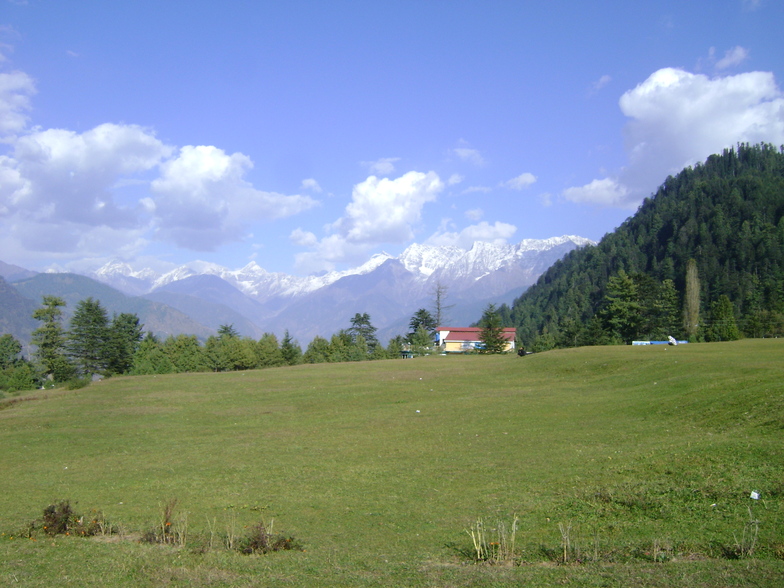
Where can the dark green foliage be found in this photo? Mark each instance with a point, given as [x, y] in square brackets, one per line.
[268, 351]
[228, 352]
[290, 350]
[361, 326]
[10, 349]
[150, 358]
[19, 375]
[621, 311]
[185, 353]
[492, 335]
[88, 337]
[727, 214]
[50, 340]
[421, 341]
[722, 325]
[395, 346]
[317, 351]
[227, 331]
[125, 334]
[422, 318]
[60, 519]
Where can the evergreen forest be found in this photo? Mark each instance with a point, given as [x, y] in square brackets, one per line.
[702, 259]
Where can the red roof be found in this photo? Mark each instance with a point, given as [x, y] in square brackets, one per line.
[472, 333]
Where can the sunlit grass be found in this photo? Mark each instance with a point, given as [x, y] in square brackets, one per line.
[379, 468]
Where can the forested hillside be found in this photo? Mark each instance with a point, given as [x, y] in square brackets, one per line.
[725, 214]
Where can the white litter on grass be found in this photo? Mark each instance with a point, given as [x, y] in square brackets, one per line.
[417, 411]
[754, 495]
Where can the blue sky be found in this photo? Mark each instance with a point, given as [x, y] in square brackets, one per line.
[308, 136]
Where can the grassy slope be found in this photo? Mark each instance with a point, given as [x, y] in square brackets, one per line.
[632, 445]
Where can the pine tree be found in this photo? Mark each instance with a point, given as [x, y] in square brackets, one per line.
[151, 359]
[10, 349]
[492, 334]
[88, 336]
[290, 350]
[268, 351]
[50, 340]
[422, 341]
[422, 318]
[125, 334]
[621, 313]
[722, 325]
[317, 351]
[361, 325]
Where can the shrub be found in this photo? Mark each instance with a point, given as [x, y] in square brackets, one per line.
[262, 540]
[60, 519]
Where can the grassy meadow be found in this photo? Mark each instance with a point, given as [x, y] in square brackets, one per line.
[623, 465]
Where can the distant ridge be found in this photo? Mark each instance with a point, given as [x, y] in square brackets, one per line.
[388, 288]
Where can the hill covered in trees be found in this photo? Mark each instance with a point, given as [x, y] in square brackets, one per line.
[723, 219]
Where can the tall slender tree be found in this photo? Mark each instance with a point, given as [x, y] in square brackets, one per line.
[50, 340]
[691, 302]
[440, 307]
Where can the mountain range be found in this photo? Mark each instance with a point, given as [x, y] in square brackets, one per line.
[198, 297]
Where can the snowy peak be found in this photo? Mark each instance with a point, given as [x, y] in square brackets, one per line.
[425, 262]
[483, 257]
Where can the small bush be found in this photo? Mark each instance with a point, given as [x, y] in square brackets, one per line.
[60, 519]
[76, 383]
[263, 540]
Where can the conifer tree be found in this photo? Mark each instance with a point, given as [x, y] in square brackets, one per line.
[125, 334]
[722, 325]
[290, 350]
[88, 336]
[50, 340]
[492, 334]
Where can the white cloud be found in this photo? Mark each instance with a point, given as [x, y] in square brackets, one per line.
[384, 211]
[310, 184]
[498, 233]
[16, 88]
[520, 182]
[678, 119]
[381, 167]
[474, 214]
[469, 155]
[599, 84]
[475, 189]
[65, 176]
[303, 238]
[733, 57]
[455, 179]
[202, 199]
[381, 211]
[605, 192]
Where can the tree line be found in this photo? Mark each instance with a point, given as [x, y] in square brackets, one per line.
[94, 344]
[702, 259]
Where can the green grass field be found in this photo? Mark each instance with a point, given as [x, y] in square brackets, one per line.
[643, 458]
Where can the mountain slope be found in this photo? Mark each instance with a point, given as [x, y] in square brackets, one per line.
[72, 288]
[16, 313]
[388, 289]
[727, 214]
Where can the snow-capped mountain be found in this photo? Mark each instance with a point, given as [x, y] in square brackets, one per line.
[393, 286]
